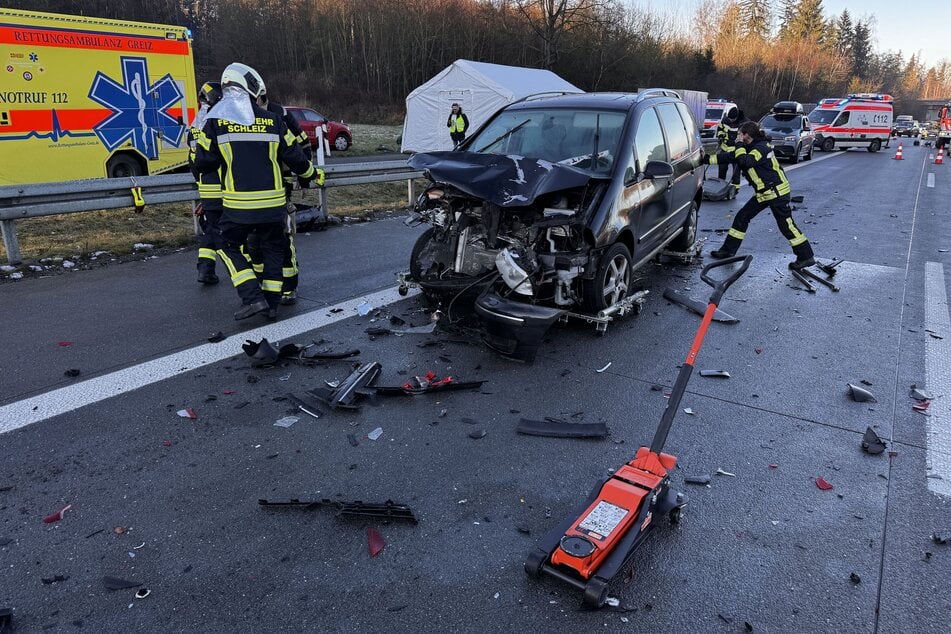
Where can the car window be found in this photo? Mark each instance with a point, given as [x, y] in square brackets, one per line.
[822, 117]
[843, 118]
[649, 140]
[310, 115]
[676, 133]
[297, 114]
[805, 123]
[690, 124]
[713, 113]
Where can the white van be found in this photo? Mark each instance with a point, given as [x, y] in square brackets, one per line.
[859, 120]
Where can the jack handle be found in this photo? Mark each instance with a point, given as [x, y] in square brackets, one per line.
[719, 287]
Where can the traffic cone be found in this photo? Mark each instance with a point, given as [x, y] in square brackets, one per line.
[898, 156]
[939, 158]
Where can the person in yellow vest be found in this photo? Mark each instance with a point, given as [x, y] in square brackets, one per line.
[458, 123]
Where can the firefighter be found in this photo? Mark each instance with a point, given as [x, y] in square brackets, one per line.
[457, 123]
[209, 191]
[291, 270]
[248, 144]
[755, 157]
[726, 135]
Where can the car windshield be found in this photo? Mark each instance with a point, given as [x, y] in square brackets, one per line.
[822, 117]
[781, 122]
[569, 137]
[713, 114]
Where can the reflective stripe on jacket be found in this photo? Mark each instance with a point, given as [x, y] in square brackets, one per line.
[761, 168]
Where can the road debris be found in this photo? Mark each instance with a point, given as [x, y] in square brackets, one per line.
[605, 367]
[430, 382]
[698, 307]
[389, 510]
[6, 620]
[725, 473]
[115, 583]
[921, 407]
[720, 374]
[48, 581]
[375, 542]
[554, 428]
[854, 578]
[697, 479]
[375, 434]
[57, 516]
[872, 443]
[72, 373]
[143, 593]
[345, 395]
[940, 538]
[364, 309]
[920, 394]
[352, 439]
[823, 484]
[477, 434]
[689, 411]
[287, 421]
[218, 337]
[188, 412]
[861, 395]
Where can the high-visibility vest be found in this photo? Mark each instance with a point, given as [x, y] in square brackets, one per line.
[458, 124]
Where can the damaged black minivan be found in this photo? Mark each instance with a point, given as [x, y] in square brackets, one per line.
[552, 205]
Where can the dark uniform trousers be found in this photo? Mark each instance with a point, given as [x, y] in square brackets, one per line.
[782, 212]
[271, 241]
[210, 240]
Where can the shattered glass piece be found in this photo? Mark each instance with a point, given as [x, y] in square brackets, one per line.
[920, 394]
[287, 421]
[698, 479]
[721, 374]
[689, 411]
[872, 443]
[860, 395]
[922, 406]
[57, 516]
[375, 542]
[188, 412]
[375, 434]
[823, 484]
[364, 309]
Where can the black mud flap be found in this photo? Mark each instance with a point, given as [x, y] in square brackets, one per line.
[514, 329]
[718, 189]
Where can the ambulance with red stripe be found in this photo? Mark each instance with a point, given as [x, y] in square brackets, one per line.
[84, 97]
[859, 120]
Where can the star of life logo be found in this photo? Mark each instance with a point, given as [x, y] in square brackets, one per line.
[139, 109]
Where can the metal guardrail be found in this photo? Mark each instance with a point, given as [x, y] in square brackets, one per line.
[19, 202]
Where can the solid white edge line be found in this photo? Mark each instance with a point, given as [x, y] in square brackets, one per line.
[66, 399]
[938, 373]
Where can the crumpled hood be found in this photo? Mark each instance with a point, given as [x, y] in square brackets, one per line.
[507, 181]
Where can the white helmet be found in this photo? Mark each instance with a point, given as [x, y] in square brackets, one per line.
[245, 77]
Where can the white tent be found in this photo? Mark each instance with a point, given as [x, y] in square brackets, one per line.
[481, 89]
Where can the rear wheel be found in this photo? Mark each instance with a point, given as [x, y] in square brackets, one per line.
[122, 166]
[875, 145]
[341, 143]
[795, 156]
[828, 144]
[688, 236]
[611, 281]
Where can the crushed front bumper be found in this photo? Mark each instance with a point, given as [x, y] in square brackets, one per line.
[514, 329]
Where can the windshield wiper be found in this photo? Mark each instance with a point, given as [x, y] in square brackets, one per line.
[504, 135]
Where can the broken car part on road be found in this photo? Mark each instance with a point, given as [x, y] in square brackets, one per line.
[561, 429]
[387, 510]
[698, 307]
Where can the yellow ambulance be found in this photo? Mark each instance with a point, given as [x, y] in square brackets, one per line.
[84, 97]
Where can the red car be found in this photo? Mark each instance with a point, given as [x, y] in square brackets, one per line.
[339, 134]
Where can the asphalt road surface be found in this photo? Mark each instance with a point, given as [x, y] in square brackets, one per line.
[764, 548]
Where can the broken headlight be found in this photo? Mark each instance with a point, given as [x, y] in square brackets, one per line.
[513, 273]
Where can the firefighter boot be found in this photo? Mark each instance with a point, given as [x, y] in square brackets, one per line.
[729, 248]
[206, 271]
[288, 298]
[804, 257]
[253, 308]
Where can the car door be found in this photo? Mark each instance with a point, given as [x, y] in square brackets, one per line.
[680, 156]
[808, 138]
[644, 200]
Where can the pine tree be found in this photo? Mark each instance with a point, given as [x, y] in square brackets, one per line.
[844, 32]
[808, 22]
[787, 15]
[861, 49]
[755, 18]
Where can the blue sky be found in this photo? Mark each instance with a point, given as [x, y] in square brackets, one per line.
[913, 26]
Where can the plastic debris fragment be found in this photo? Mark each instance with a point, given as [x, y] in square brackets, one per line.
[921, 407]
[920, 394]
[141, 594]
[72, 373]
[689, 411]
[64, 344]
[58, 515]
[725, 473]
[720, 374]
[872, 443]
[605, 367]
[854, 578]
[218, 337]
[115, 583]
[940, 538]
[860, 395]
[375, 542]
[823, 484]
[476, 435]
[187, 413]
[287, 421]
[352, 439]
[698, 479]
[375, 434]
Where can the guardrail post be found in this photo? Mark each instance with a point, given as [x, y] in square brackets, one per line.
[10, 241]
[410, 193]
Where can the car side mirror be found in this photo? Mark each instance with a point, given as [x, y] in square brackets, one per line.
[658, 169]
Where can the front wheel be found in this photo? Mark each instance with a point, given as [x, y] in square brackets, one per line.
[795, 156]
[611, 281]
[828, 144]
[812, 148]
[875, 145]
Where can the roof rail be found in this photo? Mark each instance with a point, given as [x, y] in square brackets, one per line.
[546, 93]
[657, 92]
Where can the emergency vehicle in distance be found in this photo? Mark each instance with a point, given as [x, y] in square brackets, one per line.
[716, 110]
[943, 141]
[859, 120]
[84, 97]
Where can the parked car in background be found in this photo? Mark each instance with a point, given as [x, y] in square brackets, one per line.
[338, 134]
[553, 204]
[789, 131]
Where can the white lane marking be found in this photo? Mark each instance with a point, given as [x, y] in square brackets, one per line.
[930, 179]
[938, 372]
[66, 399]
